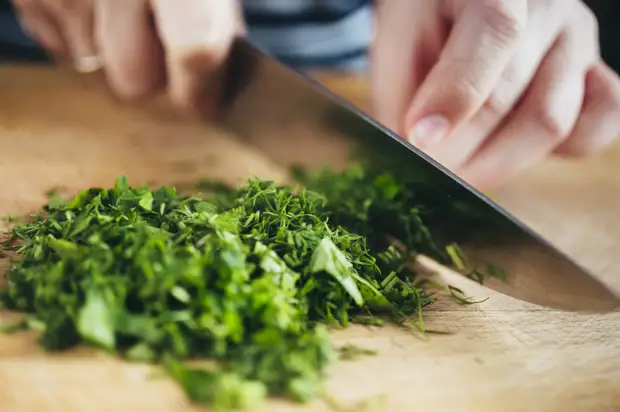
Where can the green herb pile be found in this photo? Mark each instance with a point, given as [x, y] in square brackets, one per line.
[250, 277]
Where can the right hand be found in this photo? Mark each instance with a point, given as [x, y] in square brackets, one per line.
[489, 88]
[142, 45]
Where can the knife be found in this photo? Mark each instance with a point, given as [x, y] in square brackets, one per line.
[295, 121]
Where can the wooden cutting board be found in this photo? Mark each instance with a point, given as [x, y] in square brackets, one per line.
[504, 355]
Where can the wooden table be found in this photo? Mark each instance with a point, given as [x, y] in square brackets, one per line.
[504, 355]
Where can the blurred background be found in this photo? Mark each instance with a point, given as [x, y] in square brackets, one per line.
[608, 14]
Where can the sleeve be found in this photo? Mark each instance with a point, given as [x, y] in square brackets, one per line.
[312, 34]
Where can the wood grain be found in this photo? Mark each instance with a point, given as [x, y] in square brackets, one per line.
[503, 355]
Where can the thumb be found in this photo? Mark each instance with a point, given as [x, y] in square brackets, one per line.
[196, 37]
[480, 45]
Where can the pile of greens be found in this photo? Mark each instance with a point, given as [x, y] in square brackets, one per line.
[249, 277]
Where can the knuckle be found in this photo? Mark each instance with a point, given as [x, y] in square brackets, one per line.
[506, 23]
[552, 126]
[497, 105]
[466, 97]
[501, 100]
[508, 89]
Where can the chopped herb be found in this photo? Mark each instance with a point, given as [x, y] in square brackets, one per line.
[247, 277]
[13, 327]
[11, 219]
[353, 352]
[55, 200]
[369, 320]
[372, 404]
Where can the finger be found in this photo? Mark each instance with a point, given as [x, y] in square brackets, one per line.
[129, 46]
[599, 123]
[75, 19]
[406, 44]
[480, 45]
[544, 119]
[41, 27]
[543, 26]
[197, 38]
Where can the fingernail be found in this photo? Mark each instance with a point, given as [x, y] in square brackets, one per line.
[429, 130]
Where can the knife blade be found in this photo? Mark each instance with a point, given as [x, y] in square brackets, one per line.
[295, 121]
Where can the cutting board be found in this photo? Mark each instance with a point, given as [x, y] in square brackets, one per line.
[59, 130]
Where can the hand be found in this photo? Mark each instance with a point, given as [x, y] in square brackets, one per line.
[490, 87]
[141, 44]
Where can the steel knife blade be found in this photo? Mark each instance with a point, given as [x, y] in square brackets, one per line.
[295, 121]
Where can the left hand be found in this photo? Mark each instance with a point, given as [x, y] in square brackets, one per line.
[141, 45]
[490, 87]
